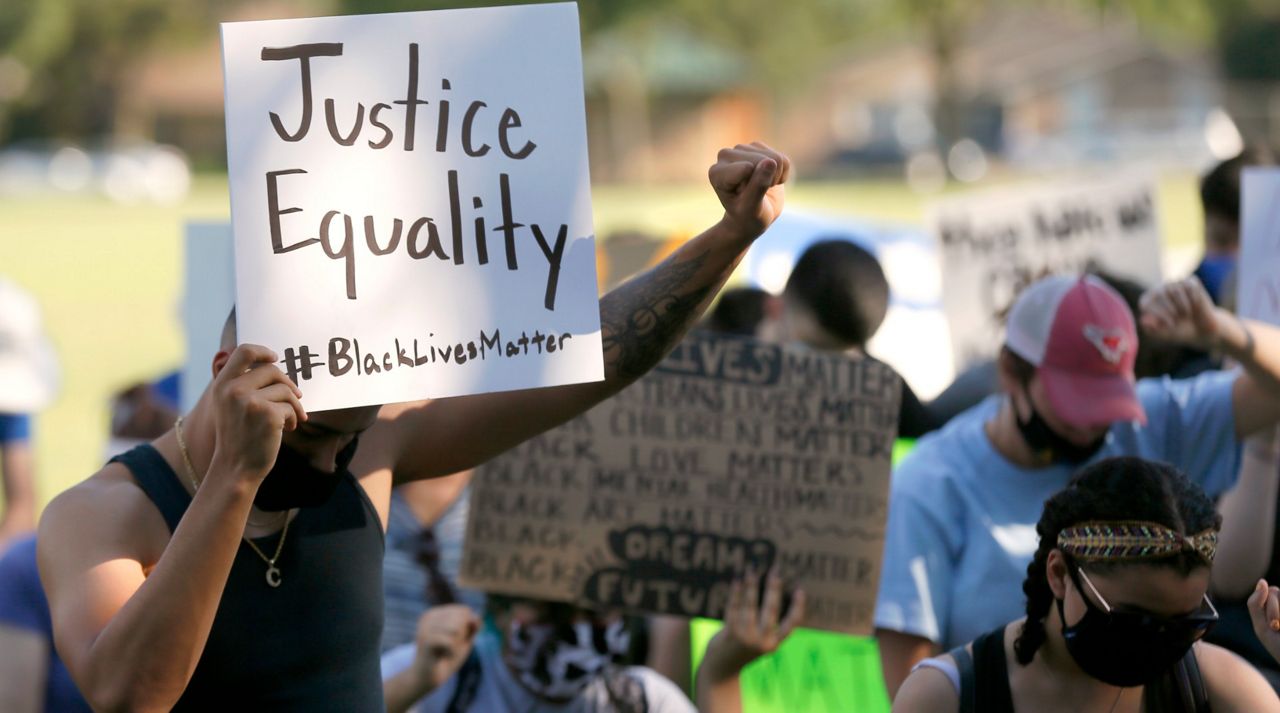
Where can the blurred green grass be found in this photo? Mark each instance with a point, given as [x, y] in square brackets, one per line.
[108, 278]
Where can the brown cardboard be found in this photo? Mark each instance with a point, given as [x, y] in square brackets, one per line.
[731, 453]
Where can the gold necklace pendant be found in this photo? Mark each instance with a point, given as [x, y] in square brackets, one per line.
[273, 572]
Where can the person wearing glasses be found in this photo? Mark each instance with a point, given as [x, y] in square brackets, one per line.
[1116, 606]
[963, 505]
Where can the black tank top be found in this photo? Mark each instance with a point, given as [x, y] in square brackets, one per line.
[984, 681]
[312, 643]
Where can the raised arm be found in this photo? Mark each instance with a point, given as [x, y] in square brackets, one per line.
[1183, 312]
[640, 321]
[131, 614]
[752, 628]
[1248, 519]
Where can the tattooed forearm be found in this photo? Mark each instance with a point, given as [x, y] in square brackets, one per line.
[642, 320]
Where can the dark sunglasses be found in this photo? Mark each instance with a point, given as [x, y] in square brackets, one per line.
[1188, 628]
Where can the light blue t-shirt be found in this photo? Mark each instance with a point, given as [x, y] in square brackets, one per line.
[962, 519]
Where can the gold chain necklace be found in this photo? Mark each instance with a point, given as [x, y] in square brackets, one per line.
[273, 572]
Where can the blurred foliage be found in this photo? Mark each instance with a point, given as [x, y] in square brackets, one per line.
[780, 39]
[72, 57]
[63, 63]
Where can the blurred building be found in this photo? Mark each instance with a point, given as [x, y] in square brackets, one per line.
[1037, 87]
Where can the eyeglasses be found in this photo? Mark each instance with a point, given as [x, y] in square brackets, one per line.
[1187, 628]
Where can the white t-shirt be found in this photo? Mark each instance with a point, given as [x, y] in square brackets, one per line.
[499, 690]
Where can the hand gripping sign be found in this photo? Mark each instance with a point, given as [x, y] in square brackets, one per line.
[411, 202]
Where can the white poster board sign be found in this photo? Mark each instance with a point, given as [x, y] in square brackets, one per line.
[210, 292]
[411, 202]
[1258, 290]
[993, 245]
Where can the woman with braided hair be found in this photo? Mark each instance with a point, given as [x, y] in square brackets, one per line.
[1116, 607]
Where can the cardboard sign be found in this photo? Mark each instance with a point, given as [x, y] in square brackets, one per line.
[731, 454]
[210, 294]
[813, 671]
[1258, 291]
[411, 202]
[994, 245]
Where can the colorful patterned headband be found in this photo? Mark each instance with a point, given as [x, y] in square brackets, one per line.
[1133, 540]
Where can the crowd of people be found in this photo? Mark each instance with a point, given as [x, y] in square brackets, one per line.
[1086, 523]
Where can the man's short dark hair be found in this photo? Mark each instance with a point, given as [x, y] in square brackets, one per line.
[843, 287]
[1220, 187]
[739, 311]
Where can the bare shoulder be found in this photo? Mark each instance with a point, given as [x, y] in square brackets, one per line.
[106, 513]
[1233, 684]
[928, 690]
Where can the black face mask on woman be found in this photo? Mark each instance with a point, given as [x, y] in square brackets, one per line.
[1129, 648]
[294, 483]
[1050, 447]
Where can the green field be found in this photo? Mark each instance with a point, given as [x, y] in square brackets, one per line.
[108, 278]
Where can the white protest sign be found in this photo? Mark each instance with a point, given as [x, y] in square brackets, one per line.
[411, 202]
[993, 245]
[1258, 291]
[209, 296]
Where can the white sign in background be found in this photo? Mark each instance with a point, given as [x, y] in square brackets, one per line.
[210, 294]
[1258, 291]
[418, 224]
[993, 245]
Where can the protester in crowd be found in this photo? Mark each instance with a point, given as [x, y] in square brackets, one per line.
[1116, 607]
[1264, 611]
[426, 525]
[754, 626]
[545, 656]
[836, 298]
[28, 381]
[964, 502]
[143, 411]
[1156, 357]
[1220, 200]
[157, 605]
[1247, 551]
[1220, 195]
[17, 469]
[32, 677]
[739, 311]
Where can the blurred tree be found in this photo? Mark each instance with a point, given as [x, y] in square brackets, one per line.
[1246, 33]
[66, 62]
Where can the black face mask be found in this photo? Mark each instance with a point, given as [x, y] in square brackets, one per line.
[294, 483]
[1050, 447]
[1130, 648]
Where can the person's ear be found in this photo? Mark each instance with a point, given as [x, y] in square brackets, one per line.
[219, 361]
[1055, 571]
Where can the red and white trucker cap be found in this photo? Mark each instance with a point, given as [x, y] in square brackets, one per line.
[1081, 337]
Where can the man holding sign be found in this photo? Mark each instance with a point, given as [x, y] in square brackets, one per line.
[143, 562]
[235, 562]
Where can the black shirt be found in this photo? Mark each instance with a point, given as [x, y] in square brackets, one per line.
[310, 644]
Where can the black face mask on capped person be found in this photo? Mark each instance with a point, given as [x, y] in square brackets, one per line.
[294, 483]
[1050, 447]
[1129, 648]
